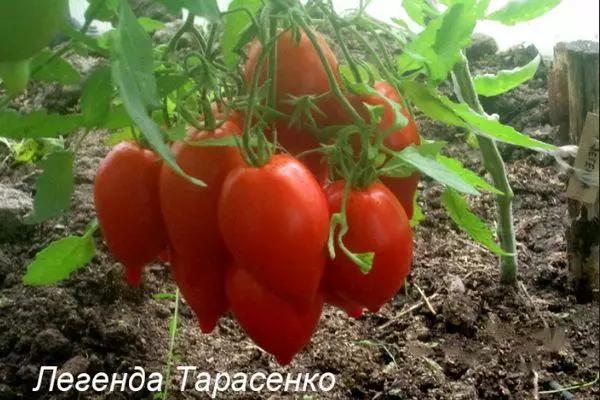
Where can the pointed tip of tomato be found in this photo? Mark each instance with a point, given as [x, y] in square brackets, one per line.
[207, 327]
[133, 275]
[284, 360]
[355, 312]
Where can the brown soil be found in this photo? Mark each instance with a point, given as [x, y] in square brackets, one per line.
[479, 340]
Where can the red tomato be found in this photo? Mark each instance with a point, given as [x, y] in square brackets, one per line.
[297, 141]
[190, 211]
[199, 256]
[403, 188]
[299, 73]
[201, 279]
[275, 221]
[377, 223]
[351, 308]
[128, 207]
[270, 322]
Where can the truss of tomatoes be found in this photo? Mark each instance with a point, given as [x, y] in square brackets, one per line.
[253, 241]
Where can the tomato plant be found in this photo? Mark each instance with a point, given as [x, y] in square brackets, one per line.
[225, 151]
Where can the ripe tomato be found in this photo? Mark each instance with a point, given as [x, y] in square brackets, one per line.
[128, 207]
[299, 73]
[333, 298]
[404, 188]
[297, 141]
[26, 27]
[275, 221]
[377, 223]
[190, 211]
[201, 279]
[270, 322]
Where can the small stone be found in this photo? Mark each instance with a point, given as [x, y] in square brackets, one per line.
[76, 365]
[14, 205]
[481, 46]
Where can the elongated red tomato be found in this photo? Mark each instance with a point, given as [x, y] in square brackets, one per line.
[189, 210]
[201, 279]
[377, 223]
[128, 207]
[351, 308]
[275, 221]
[270, 322]
[403, 188]
[199, 256]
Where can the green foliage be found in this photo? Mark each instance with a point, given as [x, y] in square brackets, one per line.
[458, 209]
[61, 258]
[37, 124]
[505, 80]
[96, 97]
[236, 22]
[205, 8]
[45, 66]
[516, 11]
[54, 187]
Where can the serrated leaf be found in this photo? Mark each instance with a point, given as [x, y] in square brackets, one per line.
[439, 45]
[61, 258]
[466, 174]
[418, 215]
[459, 212]
[208, 9]
[495, 129]
[505, 80]
[235, 24]
[31, 150]
[428, 101]
[38, 124]
[53, 69]
[53, 187]
[431, 167]
[130, 47]
[516, 11]
[150, 25]
[96, 97]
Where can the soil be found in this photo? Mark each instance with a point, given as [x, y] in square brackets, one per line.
[476, 339]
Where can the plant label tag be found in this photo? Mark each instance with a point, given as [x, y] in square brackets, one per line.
[586, 160]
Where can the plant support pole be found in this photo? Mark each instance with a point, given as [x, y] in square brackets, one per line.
[494, 164]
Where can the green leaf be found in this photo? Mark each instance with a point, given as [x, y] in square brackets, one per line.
[55, 69]
[235, 24]
[132, 72]
[415, 10]
[466, 174]
[439, 45]
[418, 215]
[229, 140]
[168, 82]
[494, 129]
[61, 258]
[505, 80]
[53, 187]
[429, 102]
[517, 11]
[96, 97]
[208, 9]
[120, 136]
[107, 10]
[458, 209]
[31, 150]
[38, 124]
[176, 132]
[118, 118]
[150, 25]
[431, 167]
[91, 42]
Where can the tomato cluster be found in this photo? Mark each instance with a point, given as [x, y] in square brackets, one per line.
[254, 240]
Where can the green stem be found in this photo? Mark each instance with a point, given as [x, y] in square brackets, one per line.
[494, 164]
[342, 43]
[187, 25]
[172, 335]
